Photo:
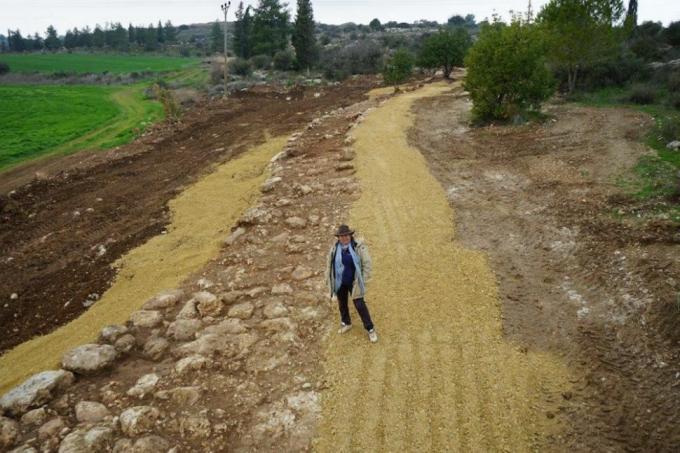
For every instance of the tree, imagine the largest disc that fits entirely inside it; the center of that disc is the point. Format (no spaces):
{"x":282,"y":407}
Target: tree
{"x":243,"y":28}
{"x":375,"y":25}
{"x":456,"y":21}
{"x":170,"y":33}
{"x":398,"y":68}
{"x":132,"y":34}
{"x":98,"y":38}
{"x":216,"y":38}
{"x":304,"y":41}
{"x":506,"y":71}
{"x":15,"y":41}
{"x":631,"y":15}
{"x":579,"y":32}
{"x":150,"y":39}
{"x":52,"y":41}
{"x":85,"y":38}
{"x":672,"y":33}
{"x":160,"y":33}
{"x":270,"y":27}
{"x":70,"y":40}
{"x":445,"y":49}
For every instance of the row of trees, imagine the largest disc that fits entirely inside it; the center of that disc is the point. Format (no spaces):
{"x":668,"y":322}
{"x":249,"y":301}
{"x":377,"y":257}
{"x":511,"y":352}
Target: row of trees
{"x":265,"y":30}
{"x":113,"y":36}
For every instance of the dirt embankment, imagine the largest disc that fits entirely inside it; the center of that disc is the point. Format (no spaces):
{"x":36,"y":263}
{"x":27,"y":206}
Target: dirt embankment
{"x":580,"y":275}
{"x":59,"y":235}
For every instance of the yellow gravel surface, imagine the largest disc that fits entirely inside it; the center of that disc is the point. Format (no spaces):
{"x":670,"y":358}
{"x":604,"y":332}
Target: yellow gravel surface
{"x":202,"y":216}
{"x":441,"y":377}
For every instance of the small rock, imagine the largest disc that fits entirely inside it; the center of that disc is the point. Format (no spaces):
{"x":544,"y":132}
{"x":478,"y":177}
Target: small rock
{"x":9,"y":432}
{"x":110,"y":334}
{"x":191,"y":363}
{"x":255,"y":216}
{"x":282,"y":288}
{"x":276,"y":310}
{"x":138,"y":420}
{"x":296,"y":222}
{"x":301,"y":273}
{"x":144,"y":385}
{"x":231,"y":296}
{"x":13,"y":296}
{"x":183,"y":329}
{"x":188,"y":311}
{"x":98,"y":438}
{"x":270,"y":184}
{"x":347,"y":154}
{"x":51,"y":429}
{"x":35,"y":417}
{"x":242,"y":311}
{"x":74,"y":442}
{"x":182,"y":396}
{"x":207,"y":345}
{"x":165,"y":299}
{"x":125,"y":344}
{"x":233,"y":237}
{"x":278,"y":325}
{"x":35,"y":391}
{"x":123,"y":446}
{"x":344,"y":166}
{"x":283,"y":202}
{"x":155,"y":348}
{"x":230,"y":326}
{"x":195,"y":426}
{"x":151,"y":444}
{"x":208,"y":304}
{"x":89,"y":358}
{"x":146,"y":318}
{"x":302,"y":189}
{"x":674,"y":145}
{"x":90,"y":411}
{"x":254,"y":292}
{"x":204,"y":283}
{"x":24,"y":449}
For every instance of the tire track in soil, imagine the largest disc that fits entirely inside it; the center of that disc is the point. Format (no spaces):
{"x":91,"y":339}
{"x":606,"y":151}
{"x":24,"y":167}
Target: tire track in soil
{"x":441,"y":377}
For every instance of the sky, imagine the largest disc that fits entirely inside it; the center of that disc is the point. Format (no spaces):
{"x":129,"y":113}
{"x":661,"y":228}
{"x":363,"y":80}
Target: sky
{"x":32,"y":16}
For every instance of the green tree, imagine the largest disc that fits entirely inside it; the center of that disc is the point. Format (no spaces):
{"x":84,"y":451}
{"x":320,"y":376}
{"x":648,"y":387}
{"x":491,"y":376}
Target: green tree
{"x":399,"y":67}
{"x":631,"y":16}
{"x":150,"y":39}
{"x":70,"y":39}
{"x":304,"y":41}
{"x":52,"y":41}
{"x":15,"y":41}
{"x":506,"y":71}
{"x":445,"y":49}
{"x":160,"y":33}
{"x":270,"y":27}
{"x":170,"y":33}
{"x":132,"y":34}
{"x":98,"y":38}
{"x":216,"y":38}
{"x":243,"y":28}
{"x":579,"y":32}
{"x":375,"y":25}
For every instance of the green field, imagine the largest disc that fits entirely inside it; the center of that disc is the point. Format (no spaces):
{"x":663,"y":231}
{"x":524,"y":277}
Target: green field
{"x":94,"y":63}
{"x":40,"y":120}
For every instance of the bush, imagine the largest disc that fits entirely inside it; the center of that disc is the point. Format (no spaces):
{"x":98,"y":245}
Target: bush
{"x":673,"y":82}
{"x":4,"y":68}
{"x":642,"y":94}
{"x":674,"y":100}
{"x":216,"y":73}
{"x":398,"y":68}
{"x":261,"y":61}
{"x":445,"y":50}
{"x":669,"y":128}
{"x":283,"y":60}
{"x":672,"y":33}
{"x":241,"y":67}
{"x":358,"y":57}
{"x":507,"y":74}
{"x":616,"y":70}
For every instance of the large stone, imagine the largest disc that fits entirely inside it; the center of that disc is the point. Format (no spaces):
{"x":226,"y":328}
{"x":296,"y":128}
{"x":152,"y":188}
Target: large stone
{"x":231,"y":296}
{"x":125,"y":344}
{"x":674,"y":145}
{"x":155,"y":348}
{"x":51,"y":429}
{"x":296,"y":222}
{"x":242,"y":311}
{"x":188,"y":311}
{"x":275,"y":310}
{"x":195,"y":427}
{"x":89,"y":358}
{"x":99,"y":438}
{"x":91,"y":411}
{"x":165,"y":299}
{"x":144,"y":385}
{"x":207,"y":345}
{"x":74,"y":442}
{"x":35,"y":391}
{"x":228,"y":326}
{"x":146,"y":318}
{"x":301,"y":273}
{"x":24,"y":449}
{"x":150,"y":444}
{"x":36,"y":417}
{"x":255,"y":216}
{"x":282,"y":288}
{"x":110,"y":334}
{"x":191,"y":363}
{"x":184,"y":329}
{"x":138,"y":420}
{"x":182,"y":396}
{"x":9,"y":433}
{"x":208,"y":304}
{"x":235,"y":235}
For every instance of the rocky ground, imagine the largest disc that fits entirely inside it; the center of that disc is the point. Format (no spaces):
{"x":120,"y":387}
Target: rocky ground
{"x":230,"y":361}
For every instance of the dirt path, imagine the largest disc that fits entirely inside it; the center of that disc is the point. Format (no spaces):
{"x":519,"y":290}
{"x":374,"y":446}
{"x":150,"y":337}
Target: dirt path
{"x":441,"y":378}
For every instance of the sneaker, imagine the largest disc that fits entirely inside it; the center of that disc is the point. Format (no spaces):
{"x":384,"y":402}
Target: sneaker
{"x":344,"y":328}
{"x":372,"y":336}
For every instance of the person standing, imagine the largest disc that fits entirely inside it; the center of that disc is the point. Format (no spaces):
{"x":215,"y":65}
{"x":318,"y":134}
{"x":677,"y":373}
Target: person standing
{"x":348,"y":268}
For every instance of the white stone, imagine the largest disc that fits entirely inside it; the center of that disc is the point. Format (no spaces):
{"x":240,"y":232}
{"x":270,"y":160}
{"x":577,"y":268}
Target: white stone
{"x":89,"y":358}
{"x":165,"y":299}
{"x":110,"y":334}
{"x":296,"y":222}
{"x":191,"y":363}
{"x":155,"y":347}
{"x":36,"y":417}
{"x":301,"y":273}
{"x":90,"y":411}
{"x":188,"y":311}
{"x":207,"y":304}
{"x":144,"y":386}
{"x":282,"y":288}
{"x":146,"y":318}
{"x":184,"y":329}
{"x":275,"y":310}
{"x":233,"y":237}
{"x":35,"y":391}
{"x":242,"y":311}
{"x":138,"y":420}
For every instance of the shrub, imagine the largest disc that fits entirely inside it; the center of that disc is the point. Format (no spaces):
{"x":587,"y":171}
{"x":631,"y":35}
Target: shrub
{"x":445,"y":50}
{"x":669,"y":128}
{"x":358,"y":57}
{"x":398,"y":68}
{"x":642,"y":94}
{"x":674,"y":100}
{"x":617,"y":70}
{"x":283,"y":60}
{"x":261,"y":61}
{"x":4,"y":68}
{"x":241,"y":67}
{"x":507,"y":74}
{"x":673,"y":82}
{"x":216,"y":73}
{"x":672,"y":33}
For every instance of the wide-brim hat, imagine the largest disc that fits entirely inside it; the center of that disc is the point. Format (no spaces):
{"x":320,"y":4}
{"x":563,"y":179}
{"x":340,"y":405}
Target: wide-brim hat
{"x":343,"y":229}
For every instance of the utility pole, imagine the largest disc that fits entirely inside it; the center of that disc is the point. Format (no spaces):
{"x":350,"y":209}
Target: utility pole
{"x":225,"y":9}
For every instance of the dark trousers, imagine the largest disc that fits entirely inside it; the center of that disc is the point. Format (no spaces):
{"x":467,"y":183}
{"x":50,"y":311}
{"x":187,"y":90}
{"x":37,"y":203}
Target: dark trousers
{"x":343,"y":295}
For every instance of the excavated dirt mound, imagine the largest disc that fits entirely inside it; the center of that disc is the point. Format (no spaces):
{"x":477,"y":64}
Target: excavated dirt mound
{"x":580,"y":274}
{"x":60,"y":233}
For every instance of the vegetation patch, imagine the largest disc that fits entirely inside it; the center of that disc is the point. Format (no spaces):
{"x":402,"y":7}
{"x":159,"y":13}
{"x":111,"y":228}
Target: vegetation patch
{"x":94,"y":63}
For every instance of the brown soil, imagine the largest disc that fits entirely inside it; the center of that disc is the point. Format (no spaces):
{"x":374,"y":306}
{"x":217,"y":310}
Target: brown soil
{"x":60,"y":232}
{"x":575,"y":279}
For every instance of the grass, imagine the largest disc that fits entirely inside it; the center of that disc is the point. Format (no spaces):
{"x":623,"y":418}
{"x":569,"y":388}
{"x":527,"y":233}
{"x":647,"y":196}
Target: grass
{"x":94,"y":63}
{"x":42,"y":120}
{"x":656,"y":176}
